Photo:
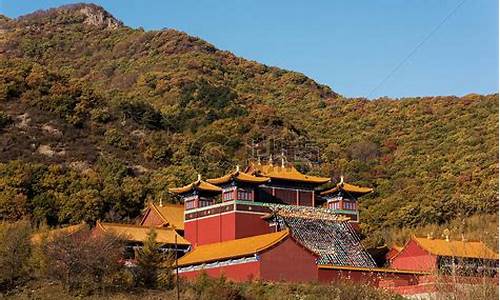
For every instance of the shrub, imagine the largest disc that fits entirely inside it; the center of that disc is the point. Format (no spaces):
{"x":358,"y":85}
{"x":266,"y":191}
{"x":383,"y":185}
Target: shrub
{"x":83,"y":262}
{"x":115,"y":138}
{"x":5,"y":120}
{"x":338,"y":290}
{"x":142,"y":113}
{"x":214,"y":288}
{"x":100,"y":115}
{"x":15,"y":250}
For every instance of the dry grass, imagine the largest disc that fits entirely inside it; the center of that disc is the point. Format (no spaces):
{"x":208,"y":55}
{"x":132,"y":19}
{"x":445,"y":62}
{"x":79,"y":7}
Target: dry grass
{"x":451,"y":288}
{"x":206,"y":288}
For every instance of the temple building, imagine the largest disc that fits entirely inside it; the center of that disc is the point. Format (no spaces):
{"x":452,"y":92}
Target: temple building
{"x":198,"y":194}
{"x":164,"y":215}
{"x":262,"y":257}
{"x":286,"y":185}
{"x":273,"y":223}
{"x":167,"y":238}
{"x":265,"y":201}
{"x":236,"y":205}
{"x":238,"y":185}
{"x":343,"y":199}
{"x":446,"y":256}
{"x":222,"y":209}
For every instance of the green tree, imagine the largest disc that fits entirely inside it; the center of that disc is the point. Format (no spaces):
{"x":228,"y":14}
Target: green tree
{"x":154,"y":268}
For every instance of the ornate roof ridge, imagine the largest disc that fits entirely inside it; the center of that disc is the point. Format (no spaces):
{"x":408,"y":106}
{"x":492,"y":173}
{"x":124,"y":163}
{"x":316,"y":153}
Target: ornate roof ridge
{"x":198,"y":184}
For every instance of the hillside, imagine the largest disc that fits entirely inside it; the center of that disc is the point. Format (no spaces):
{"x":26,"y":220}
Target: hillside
{"x":97,"y":117}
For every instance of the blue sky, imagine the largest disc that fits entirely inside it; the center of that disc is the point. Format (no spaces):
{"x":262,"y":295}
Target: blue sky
{"x":349,"y":45}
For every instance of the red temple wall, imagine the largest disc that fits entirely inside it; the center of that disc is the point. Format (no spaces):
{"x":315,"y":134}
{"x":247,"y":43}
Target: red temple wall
{"x":286,"y":196}
{"x":305,"y":198}
{"x":152,"y":219}
{"x":248,"y":224}
{"x":211,"y":229}
{"x":288,"y":261}
{"x":412,"y":257}
{"x":237,"y":273}
{"x":224,"y":227}
{"x":374,"y":278}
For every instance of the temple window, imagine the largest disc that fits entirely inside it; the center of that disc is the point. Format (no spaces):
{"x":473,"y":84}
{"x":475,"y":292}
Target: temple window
{"x":205,"y":202}
{"x":334,"y":205}
{"x":189,"y":204}
{"x":350,"y":205}
{"x":227,"y":196}
{"x":244,"y":195}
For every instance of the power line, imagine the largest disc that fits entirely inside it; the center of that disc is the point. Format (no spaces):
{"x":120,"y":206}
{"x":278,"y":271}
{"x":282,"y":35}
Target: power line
{"x":427,"y":37}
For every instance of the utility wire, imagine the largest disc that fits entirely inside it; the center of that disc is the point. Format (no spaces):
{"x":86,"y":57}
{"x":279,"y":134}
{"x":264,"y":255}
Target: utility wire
{"x":427,"y":37}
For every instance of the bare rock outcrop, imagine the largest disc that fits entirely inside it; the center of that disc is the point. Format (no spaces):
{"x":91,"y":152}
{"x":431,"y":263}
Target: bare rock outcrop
{"x":97,"y":16}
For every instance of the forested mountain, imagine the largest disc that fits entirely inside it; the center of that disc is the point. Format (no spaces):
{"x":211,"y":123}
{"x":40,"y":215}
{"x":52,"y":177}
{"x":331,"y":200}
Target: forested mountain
{"x":97,"y":117}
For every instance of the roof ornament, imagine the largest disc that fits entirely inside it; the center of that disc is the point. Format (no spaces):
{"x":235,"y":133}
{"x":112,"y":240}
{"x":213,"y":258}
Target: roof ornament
{"x":161,"y":201}
{"x":341,"y":179}
{"x":430,"y":235}
{"x":282,"y":159}
{"x":258,"y":160}
{"x":237,"y":168}
{"x":446,"y":234}
{"x":270,"y":159}
{"x":199,"y":177}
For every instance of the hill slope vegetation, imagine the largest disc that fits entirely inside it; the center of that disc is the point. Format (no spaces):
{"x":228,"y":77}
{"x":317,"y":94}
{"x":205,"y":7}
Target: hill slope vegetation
{"x":96,"y":118}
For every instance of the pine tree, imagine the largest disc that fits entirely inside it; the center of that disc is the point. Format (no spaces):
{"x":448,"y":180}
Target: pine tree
{"x":153,"y":267}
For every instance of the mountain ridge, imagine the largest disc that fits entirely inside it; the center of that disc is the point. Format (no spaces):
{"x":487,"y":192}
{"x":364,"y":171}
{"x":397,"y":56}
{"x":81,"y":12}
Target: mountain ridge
{"x":95,"y":15}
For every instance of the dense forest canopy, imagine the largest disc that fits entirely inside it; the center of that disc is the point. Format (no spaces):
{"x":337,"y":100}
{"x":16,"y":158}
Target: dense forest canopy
{"x":96,"y":118}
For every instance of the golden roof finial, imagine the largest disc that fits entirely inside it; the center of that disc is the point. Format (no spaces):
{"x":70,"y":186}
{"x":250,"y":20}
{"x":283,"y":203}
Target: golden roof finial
{"x":341,"y":179}
{"x":446,"y":234}
{"x":237,"y":168}
{"x":199,"y":177}
{"x":271,"y":159}
{"x":282,"y":159}
{"x":161,"y":201}
{"x":258,"y":160}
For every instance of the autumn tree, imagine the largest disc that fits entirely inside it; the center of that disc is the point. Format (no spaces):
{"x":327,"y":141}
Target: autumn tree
{"x":15,"y":251}
{"x":83,"y":262}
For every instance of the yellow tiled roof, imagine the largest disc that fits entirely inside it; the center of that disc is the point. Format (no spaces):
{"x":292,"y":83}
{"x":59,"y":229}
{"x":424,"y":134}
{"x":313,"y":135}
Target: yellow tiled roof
{"x":199,"y":184}
{"x":232,"y":249}
{"x":284,"y":173}
{"x":37,"y":237}
{"x":469,"y":249}
{"x":139,"y":233}
{"x":239,"y":176}
{"x":173,"y":214}
{"x":350,"y":188}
